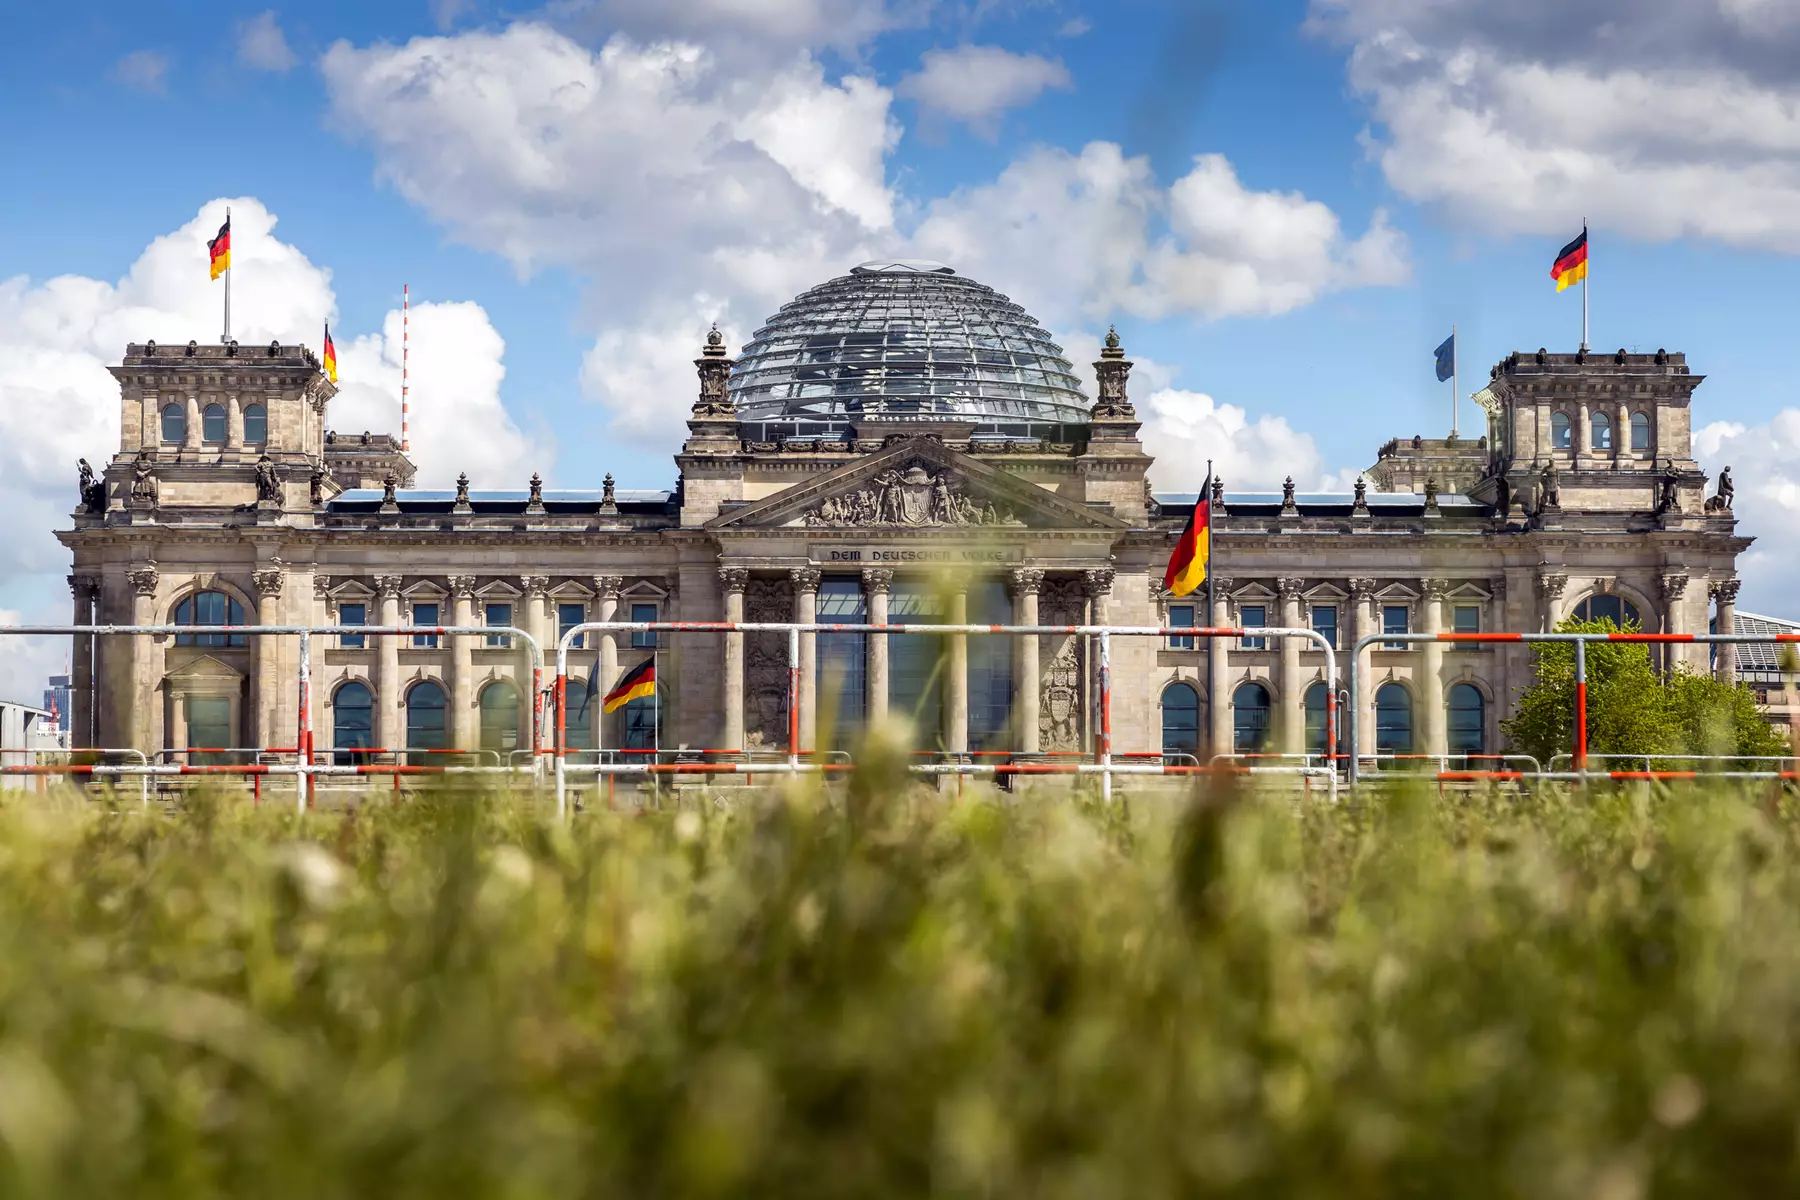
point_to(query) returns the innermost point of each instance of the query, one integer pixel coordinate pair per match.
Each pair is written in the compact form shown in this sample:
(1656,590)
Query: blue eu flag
(1446,359)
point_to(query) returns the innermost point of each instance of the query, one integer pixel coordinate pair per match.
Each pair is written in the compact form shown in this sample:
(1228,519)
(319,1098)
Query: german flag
(639,682)
(1187,565)
(1571,264)
(220,249)
(330,355)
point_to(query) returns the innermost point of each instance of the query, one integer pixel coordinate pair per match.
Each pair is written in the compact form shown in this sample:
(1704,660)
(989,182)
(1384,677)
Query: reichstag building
(900,444)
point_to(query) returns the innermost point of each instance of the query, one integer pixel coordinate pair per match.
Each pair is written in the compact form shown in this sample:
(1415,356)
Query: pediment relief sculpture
(910,497)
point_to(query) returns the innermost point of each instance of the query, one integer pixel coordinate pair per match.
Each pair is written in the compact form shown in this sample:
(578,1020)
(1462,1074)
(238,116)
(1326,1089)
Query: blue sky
(1381,169)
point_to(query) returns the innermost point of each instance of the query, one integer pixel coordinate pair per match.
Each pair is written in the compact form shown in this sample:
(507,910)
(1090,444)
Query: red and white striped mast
(405,349)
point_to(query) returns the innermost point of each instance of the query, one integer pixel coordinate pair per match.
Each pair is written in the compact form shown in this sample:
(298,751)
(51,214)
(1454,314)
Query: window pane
(1467,619)
(643,639)
(500,717)
(568,616)
(1325,622)
(1559,431)
(425,729)
(842,659)
(212,424)
(1393,620)
(352,722)
(1253,616)
(1316,722)
(1250,718)
(1640,431)
(916,662)
(1181,615)
(425,614)
(579,715)
(352,614)
(174,423)
(1466,705)
(1180,719)
(990,669)
(1602,428)
(1393,720)
(256,424)
(209,727)
(501,615)
(639,721)
(210,608)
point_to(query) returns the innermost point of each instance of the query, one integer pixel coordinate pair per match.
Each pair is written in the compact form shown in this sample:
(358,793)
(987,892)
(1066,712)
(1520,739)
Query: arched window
(1559,431)
(1393,720)
(1640,431)
(425,709)
(1620,611)
(500,717)
(174,423)
(1249,717)
(1468,710)
(578,717)
(638,722)
(209,608)
(1600,425)
(352,722)
(1315,722)
(256,425)
(212,424)
(1180,719)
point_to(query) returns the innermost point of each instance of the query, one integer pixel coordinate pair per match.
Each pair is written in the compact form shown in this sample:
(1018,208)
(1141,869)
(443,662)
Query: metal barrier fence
(1102,636)
(1580,641)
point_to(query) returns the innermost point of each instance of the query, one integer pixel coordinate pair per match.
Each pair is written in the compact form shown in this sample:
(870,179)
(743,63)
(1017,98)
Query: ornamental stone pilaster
(1025,584)
(732,582)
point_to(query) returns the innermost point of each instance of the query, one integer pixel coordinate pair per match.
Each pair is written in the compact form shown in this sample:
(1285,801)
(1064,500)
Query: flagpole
(1589,264)
(1455,392)
(227,338)
(1212,676)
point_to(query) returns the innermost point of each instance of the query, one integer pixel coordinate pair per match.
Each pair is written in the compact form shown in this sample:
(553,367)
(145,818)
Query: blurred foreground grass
(887,995)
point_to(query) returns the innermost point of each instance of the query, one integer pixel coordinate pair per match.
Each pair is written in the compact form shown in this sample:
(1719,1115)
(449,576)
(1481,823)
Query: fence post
(1105,717)
(1581,734)
(303,744)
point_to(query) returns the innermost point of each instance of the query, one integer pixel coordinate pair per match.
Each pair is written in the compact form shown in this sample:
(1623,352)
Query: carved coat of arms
(912,497)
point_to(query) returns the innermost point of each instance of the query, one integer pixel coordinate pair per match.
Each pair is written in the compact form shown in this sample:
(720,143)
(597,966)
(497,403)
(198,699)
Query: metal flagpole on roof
(1212,676)
(1455,395)
(1589,264)
(225,339)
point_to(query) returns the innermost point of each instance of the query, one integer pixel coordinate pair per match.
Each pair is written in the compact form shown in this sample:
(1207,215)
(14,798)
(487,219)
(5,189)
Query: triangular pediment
(205,667)
(919,483)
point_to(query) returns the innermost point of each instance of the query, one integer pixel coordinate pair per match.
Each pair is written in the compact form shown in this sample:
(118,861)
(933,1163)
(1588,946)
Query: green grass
(888,995)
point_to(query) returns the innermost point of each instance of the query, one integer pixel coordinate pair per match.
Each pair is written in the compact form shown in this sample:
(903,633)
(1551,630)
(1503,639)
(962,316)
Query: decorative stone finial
(1362,495)
(1111,372)
(1113,348)
(715,375)
(606,491)
(1287,494)
(1218,496)
(462,490)
(715,342)
(535,501)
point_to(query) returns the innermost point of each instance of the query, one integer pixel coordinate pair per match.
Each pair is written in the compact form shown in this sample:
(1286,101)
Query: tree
(1631,708)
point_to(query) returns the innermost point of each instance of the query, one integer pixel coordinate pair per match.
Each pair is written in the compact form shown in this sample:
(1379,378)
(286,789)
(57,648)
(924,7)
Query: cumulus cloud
(756,27)
(262,45)
(144,70)
(977,84)
(26,663)
(1184,429)
(1765,467)
(1122,243)
(1655,118)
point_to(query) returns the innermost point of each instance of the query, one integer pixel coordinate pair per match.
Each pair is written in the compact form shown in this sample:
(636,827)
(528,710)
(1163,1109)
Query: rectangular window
(1181,616)
(643,639)
(209,728)
(1325,622)
(1393,620)
(1254,616)
(915,661)
(498,615)
(426,614)
(1466,619)
(568,616)
(990,668)
(352,614)
(842,662)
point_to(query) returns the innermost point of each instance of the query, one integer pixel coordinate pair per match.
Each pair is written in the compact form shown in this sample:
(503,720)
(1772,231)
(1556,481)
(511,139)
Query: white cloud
(26,663)
(1184,429)
(1093,235)
(144,70)
(57,337)
(1657,119)
(1075,27)
(262,45)
(1765,469)
(756,27)
(976,84)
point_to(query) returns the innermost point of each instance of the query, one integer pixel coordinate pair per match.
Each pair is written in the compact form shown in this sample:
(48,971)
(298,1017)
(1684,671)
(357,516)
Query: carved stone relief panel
(911,497)
(1062,663)
(766,665)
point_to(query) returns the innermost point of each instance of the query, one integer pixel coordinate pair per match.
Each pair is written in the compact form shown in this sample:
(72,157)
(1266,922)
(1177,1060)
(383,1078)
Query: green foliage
(1632,708)
(888,995)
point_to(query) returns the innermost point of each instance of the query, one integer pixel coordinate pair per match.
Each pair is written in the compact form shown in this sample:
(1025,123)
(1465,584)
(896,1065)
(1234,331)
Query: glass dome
(905,339)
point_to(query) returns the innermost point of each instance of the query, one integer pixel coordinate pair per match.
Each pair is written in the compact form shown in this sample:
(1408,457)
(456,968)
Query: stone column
(1724,594)
(265,654)
(732,582)
(877,582)
(465,729)
(806,611)
(234,422)
(1097,586)
(86,590)
(140,681)
(1622,432)
(956,676)
(390,726)
(1430,684)
(1025,583)
(1218,674)
(1584,434)
(1674,587)
(1362,605)
(538,620)
(1291,728)
(192,440)
(1550,586)
(606,589)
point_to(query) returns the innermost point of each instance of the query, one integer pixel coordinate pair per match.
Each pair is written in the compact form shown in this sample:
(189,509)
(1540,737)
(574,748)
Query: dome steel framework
(901,340)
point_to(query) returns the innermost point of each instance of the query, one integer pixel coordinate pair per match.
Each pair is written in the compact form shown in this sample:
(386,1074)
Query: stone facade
(913,521)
